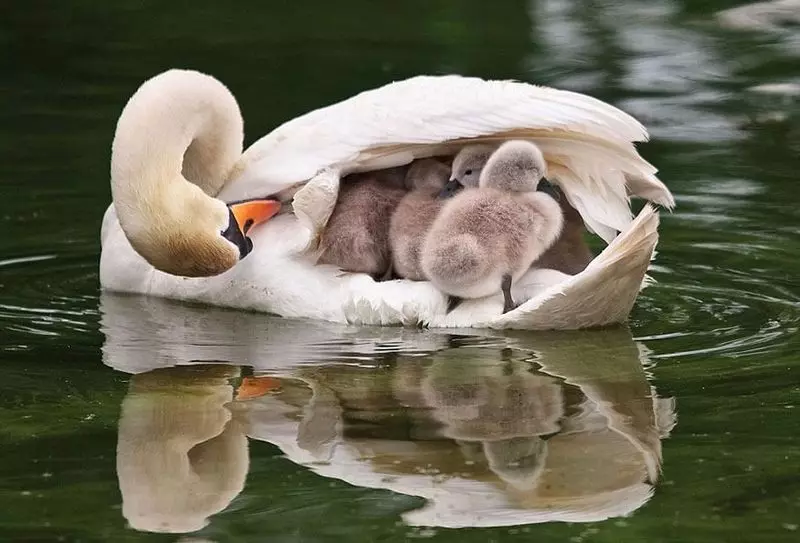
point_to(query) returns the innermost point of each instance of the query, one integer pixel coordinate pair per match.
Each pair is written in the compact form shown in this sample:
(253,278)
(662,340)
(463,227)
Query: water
(390,435)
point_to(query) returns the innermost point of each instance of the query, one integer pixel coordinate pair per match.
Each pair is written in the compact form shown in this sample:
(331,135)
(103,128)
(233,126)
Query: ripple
(723,312)
(45,298)
(770,16)
(25,260)
(785,89)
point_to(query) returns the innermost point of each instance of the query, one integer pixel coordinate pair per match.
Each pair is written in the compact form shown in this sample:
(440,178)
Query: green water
(365,433)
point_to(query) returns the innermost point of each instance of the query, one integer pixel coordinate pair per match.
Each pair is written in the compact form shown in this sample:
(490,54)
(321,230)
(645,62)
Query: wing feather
(589,144)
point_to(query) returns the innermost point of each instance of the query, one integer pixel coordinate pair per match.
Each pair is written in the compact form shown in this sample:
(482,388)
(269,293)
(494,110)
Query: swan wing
(589,144)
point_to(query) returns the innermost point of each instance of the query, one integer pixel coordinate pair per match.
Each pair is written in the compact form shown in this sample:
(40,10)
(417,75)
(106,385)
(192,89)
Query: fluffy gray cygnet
(415,214)
(467,167)
(570,253)
(356,238)
(484,239)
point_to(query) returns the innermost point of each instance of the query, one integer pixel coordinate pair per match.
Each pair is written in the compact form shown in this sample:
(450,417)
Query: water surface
(310,432)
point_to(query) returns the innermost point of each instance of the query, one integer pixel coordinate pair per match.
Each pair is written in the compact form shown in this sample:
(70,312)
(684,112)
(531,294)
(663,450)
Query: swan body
(588,144)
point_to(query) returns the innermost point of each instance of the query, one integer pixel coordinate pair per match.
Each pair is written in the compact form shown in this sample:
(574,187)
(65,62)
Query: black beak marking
(236,236)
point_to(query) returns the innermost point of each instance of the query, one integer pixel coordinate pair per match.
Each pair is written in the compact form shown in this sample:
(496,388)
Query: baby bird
(467,167)
(415,215)
(356,238)
(570,253)
(484,239)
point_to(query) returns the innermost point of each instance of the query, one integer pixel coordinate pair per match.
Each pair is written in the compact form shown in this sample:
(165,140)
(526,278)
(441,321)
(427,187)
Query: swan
(174,169)
(484,239)
(164,141)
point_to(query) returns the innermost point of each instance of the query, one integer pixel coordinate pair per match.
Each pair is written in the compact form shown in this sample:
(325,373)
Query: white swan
(183,125)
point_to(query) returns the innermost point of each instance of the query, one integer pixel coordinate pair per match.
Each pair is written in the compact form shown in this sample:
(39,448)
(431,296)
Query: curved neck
(179,127)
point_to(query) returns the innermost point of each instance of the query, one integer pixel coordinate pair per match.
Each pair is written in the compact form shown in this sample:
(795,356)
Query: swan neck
(180,127)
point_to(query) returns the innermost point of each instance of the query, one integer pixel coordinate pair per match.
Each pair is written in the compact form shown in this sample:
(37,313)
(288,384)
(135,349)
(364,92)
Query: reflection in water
(495,430)
(181,454)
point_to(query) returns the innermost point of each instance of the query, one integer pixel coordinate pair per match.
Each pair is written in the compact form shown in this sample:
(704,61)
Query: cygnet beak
(450,189)
(246,214)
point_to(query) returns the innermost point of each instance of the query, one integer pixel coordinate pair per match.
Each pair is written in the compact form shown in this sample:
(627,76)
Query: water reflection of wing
(611,375)
(579,444)
(460,418)
(181,455)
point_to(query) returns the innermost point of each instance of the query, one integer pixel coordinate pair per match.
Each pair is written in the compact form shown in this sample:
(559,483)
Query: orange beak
(255,387)
(249,213)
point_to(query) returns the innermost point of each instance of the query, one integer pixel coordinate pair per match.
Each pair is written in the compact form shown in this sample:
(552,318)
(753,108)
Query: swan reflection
(493,430)
(181,454)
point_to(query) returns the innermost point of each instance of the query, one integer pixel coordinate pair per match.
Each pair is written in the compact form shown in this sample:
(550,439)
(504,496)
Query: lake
(124,417)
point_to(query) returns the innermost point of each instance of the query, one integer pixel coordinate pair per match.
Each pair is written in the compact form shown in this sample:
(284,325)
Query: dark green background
(722,321)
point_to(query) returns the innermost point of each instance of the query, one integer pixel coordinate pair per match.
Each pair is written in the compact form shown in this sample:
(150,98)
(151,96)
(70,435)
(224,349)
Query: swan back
(589,144)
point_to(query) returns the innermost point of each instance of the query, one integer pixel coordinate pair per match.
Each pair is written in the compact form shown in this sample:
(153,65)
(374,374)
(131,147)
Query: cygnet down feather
(484,239)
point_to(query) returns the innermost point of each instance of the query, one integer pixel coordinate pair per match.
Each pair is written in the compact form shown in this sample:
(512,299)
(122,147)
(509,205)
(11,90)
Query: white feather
(588,143)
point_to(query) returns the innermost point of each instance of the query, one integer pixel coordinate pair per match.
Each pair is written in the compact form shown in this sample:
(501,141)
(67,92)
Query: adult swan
(178,227)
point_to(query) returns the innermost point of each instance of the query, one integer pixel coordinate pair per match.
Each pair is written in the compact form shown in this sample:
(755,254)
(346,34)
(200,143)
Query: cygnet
(486,238)
(356,238)
(415,214)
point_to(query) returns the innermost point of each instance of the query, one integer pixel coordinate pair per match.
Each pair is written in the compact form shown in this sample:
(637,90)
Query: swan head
(467,167)
(516,166)
(178,140)
(196,236)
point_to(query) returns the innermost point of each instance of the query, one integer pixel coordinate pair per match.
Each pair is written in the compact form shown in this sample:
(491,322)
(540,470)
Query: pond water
(123,416)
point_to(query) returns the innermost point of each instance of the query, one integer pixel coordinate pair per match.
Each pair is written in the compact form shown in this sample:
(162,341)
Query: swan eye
(468,172)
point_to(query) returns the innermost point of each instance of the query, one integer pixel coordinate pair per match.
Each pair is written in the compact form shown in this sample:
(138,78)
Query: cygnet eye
(468,172)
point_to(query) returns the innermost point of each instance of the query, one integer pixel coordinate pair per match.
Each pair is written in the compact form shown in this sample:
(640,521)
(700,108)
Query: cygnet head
(427,175)
(466,169)
(469,162)
(518,461)
(516,166)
